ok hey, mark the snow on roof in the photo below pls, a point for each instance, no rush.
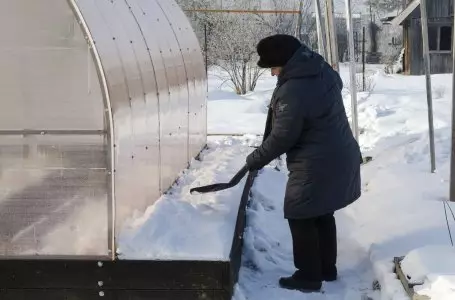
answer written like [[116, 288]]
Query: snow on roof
[[405, 13]]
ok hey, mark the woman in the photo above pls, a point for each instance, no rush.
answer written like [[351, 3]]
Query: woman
[[307, 122]]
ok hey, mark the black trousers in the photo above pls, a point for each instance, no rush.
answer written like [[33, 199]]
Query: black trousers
[[315, 247]]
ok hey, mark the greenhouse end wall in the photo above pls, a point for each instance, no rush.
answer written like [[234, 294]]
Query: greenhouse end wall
[[102, 105]]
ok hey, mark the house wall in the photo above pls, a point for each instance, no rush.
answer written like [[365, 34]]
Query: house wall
[[440, 13]]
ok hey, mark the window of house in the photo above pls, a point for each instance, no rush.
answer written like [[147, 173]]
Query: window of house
[[433, 38], [445, 41], [440, 37]]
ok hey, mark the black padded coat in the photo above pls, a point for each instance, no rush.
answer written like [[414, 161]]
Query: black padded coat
[[307, 122]]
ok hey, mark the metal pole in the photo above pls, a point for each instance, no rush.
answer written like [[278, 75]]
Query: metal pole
[[327, 35], [242, 11], [206, 49], [299, 21], [352, 71], [333, 35], [426, 59], [321, 40], [452, 159], [363, 59]]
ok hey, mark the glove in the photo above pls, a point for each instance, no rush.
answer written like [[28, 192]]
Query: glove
[[250, 163]]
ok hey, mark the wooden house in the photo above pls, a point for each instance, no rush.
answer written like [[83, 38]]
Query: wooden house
[[440, 26]]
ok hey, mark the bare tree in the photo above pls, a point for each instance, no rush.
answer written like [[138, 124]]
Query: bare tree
[[381, 6], [231, 38], [232, 44]]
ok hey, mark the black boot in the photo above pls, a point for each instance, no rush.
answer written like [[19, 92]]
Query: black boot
[[331, 275], [299, 284]]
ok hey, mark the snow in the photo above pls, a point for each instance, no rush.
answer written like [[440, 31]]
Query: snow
[[231, 113], [434, 266], [268, 250], [192, 227], [401, 209], [402, 204]]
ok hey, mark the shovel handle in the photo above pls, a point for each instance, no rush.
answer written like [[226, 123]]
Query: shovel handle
[[222, 186]]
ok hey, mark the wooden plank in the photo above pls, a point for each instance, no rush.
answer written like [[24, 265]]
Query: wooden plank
[[398, 20], [165, 275], [122, 274], [439, 8], [407, 50], [441, 63], [404, 281], [66, 294]]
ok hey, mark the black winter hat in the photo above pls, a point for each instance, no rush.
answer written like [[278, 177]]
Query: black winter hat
[[276, 50]]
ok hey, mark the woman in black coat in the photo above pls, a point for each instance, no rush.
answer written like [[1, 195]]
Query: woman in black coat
[[307, 122]]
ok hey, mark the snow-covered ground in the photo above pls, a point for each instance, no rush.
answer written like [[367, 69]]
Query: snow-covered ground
[[401, 208], [402, 204], [192, 227]]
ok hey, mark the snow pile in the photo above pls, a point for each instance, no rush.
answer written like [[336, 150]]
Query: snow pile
[[194, 227], [432, 268]]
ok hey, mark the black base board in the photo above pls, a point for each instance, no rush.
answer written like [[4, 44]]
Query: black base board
[[121, 279], [112, 295]]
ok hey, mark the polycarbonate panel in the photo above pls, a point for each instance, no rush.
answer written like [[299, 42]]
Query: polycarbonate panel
[[172, 142], [190, 49], [86, 88], [161, 72], [46, 68], [137, 173], [198, 102], [180, 108], [53, 143], [53, 195], [128, 186], [145, 115]]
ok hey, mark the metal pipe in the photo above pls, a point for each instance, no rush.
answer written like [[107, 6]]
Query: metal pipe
[[327, 35], [299, 21], [242, 11], [333, 34], [426, 58], [321, 40], [352, 71], [363, 59], [452, 159]]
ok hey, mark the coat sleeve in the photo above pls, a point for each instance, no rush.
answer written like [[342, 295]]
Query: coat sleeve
[[286, 130]]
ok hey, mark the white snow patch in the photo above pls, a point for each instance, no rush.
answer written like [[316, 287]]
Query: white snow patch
[[434, 266], [191, 227], [402, 206], [231, 113]]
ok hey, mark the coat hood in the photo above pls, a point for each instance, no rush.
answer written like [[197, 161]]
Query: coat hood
[[303, 63]]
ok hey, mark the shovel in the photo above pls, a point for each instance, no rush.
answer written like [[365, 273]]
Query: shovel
[[221, 186]]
